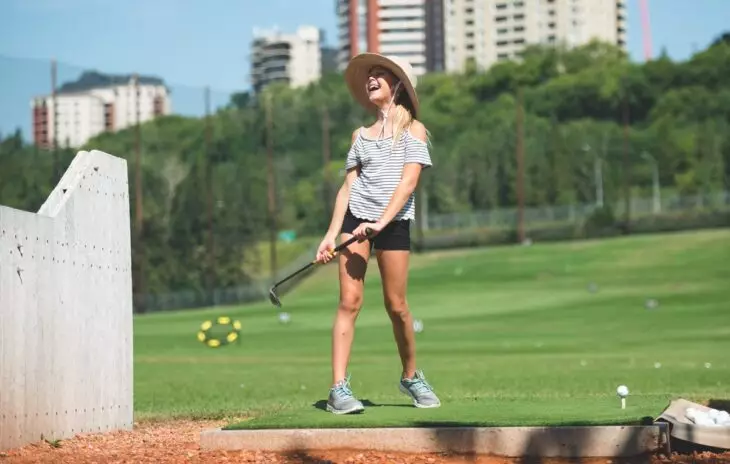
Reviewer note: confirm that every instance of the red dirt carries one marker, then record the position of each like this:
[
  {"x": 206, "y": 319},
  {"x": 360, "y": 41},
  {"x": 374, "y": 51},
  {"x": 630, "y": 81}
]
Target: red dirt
[{"x": 178, "y": 442}]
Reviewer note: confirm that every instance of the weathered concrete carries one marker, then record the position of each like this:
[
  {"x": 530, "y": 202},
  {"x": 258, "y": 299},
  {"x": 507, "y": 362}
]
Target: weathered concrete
[
  {"x": 66, "y": 308},
  {"x": 608, "y": 441}
]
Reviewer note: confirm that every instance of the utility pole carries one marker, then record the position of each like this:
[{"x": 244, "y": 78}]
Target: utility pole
[
  {"x": 326, "y": 156},
  {"x": 520, "y": 169},
  {"x": 272, "y": 186},
  {"x": 656, "y": 188},
  {"x": 138, "y": 198},
  {"x": 54, "y": 111},
  {"x": 209, "y": 194},
  {"x": 626, "y": 167},
  {"x": 420, "y": 214}
]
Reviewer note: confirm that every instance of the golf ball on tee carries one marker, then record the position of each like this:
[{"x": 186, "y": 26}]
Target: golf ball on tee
[{"x": 622, "y": 391}]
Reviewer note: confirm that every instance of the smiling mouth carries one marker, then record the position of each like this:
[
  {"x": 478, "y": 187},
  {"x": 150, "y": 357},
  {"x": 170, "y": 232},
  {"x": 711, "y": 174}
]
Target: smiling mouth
[{"x": 372, "y": 87}]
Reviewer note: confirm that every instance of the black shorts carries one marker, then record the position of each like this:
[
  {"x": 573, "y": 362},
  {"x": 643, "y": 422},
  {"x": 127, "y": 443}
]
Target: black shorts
[{"x": 394, "y": 236}]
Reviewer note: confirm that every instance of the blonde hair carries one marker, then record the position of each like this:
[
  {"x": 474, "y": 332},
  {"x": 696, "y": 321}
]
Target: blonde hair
[{"x": 400, "y": 112}]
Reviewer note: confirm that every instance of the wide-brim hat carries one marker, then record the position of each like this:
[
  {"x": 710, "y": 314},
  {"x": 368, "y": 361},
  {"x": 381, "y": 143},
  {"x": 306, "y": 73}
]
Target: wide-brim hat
[{"x": 357, "y": 73}]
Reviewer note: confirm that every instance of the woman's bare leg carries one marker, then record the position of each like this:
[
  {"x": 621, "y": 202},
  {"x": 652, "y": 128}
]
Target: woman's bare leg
[
  {"x": 393, "y": 266},
  {"x": 352, "y": 267}
]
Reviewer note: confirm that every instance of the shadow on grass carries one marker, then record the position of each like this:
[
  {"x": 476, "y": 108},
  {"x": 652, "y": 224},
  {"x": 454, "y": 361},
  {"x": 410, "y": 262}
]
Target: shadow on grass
[{"x": 322, "y": 404}]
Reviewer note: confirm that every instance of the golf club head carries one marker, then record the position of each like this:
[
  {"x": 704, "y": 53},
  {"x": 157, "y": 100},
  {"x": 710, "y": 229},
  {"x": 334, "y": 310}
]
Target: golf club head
[{"x": 274, "y": 298}]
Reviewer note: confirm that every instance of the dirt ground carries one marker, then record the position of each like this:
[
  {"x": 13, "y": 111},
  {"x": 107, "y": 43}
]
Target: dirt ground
[{"x": 178, "y": 442}]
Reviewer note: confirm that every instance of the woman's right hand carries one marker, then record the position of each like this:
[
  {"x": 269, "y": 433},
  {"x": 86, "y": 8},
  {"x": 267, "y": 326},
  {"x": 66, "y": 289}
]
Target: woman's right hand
[{"x": 325, "y": 252}]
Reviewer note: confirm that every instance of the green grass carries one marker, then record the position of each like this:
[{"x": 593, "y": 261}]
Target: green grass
[{"x": 511, "y": 336}]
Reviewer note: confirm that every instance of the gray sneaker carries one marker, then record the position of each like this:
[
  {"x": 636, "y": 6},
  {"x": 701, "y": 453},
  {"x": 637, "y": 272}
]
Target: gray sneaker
[
  {"x": 420, "y": 391},
  {"x": 341, "y": 399}
]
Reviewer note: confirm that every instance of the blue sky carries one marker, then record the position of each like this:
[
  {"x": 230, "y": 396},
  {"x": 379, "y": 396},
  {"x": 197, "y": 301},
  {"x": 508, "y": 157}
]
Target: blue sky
[{"x": 194, "y": 43}]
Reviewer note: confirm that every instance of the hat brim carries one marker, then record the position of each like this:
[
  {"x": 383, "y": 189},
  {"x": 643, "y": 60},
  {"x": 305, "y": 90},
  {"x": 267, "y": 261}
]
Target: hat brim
[{"x": 357, "y": 73}]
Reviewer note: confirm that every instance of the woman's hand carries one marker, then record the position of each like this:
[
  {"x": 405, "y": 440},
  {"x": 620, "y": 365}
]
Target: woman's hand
[
  {"x": 361, "y": 232},
  {"x": 325, "y": 252}
]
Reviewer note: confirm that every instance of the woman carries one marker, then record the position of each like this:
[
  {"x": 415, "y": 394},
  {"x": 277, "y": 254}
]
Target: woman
[{"x": 383, "y": 168}]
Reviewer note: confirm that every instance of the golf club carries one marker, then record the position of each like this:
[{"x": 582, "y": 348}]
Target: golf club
[{"x": 272, "y": 292}]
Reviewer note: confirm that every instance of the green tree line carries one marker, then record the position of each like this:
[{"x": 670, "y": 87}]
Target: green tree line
[{"x": 581, "y": 106}]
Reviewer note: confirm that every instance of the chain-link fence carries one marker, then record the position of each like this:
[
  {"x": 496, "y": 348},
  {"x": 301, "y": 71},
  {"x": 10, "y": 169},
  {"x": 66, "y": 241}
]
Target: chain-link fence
[{"x": 232, "y": 189}]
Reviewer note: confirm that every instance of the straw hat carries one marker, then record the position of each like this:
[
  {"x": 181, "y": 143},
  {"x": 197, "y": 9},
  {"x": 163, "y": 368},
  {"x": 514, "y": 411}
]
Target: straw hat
[{"x": 356, "y": 76}]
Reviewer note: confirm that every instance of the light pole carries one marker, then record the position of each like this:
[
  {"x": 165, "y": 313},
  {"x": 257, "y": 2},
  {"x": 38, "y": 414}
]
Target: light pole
[
  {"x": 598, "y": 176},
  {"x": 655, "y": 181}
]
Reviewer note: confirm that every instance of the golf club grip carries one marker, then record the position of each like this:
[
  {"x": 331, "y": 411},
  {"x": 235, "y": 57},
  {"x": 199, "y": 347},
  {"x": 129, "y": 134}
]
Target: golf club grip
[
  {"x": 350, "y": 241},
  {"x": 312, "y": 263}
]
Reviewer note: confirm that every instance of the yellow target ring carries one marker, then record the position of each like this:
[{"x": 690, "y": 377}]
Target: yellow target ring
[{"x": 204, "y": 335}]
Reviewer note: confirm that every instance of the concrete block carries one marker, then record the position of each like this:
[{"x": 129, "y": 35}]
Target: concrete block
[
  {"x": 583, "y": 441},
  {"x": 66, "y": 308}
]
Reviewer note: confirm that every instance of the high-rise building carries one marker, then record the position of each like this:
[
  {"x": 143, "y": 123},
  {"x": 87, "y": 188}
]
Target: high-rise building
[
  {"x": 488, "y": 31},
  {"x": 435, "y": 36},
  {"x": 390, "y": 27},
  {"x": 295, "y": 59},
  {"x": 438, "y": 35},
  {"x": 96, "y": 103}
]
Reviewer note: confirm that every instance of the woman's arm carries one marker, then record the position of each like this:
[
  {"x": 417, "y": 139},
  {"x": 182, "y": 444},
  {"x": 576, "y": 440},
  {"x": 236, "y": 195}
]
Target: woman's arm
[
  {"x": 342, "y": 199},
  {"x": 409, "y": 180}
]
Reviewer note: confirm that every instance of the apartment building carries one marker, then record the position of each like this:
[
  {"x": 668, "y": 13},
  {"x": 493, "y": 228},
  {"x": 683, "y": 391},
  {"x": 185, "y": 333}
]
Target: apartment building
[
  {"x": 391, "y": 27},
  {"x": 96, "y": 103},
  {"x": 295, "y": 59},
  {"x": 488, "y": 31},
  {"x": 445, "y": 35}
]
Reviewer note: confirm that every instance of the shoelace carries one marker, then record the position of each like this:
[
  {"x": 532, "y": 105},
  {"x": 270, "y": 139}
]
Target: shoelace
[
  {"x": 420, "y": 383},
  {"x": 343, "y": 388}
]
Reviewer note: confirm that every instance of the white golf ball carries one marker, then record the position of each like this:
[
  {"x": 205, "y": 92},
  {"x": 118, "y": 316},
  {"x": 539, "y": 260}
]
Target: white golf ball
[
  {"x": 622, "y": 391},
  {"x": 284, "y": 318},
  {"x": 418, "y": 326}
]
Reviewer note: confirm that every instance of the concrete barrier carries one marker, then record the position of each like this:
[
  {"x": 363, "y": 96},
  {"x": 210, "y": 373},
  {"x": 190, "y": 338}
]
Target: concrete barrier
[
  {"x": 512, "y": 442},
  {"x": 66, "y": 308}
]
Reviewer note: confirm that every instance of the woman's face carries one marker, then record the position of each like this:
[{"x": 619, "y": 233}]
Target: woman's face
[{"x": 380, "y": 84}]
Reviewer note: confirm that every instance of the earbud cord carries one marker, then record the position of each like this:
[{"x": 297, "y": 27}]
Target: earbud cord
[{"x": 385, "y": 113}]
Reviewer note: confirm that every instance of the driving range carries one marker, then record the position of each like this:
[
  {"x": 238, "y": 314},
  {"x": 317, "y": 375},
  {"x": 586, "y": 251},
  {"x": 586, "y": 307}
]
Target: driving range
[{"x": 537, "y": 335}]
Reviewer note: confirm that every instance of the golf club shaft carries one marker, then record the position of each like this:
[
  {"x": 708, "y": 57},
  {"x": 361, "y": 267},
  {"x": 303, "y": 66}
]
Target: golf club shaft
[{"x": 338, "y": 248}]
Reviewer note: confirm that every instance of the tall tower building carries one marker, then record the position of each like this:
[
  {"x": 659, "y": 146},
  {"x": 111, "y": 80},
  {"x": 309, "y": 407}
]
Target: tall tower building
[
  {"x": 391, "y": 27},
  {"x": 445, "y": 35},
  {"x": 488, "y": 31}
]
